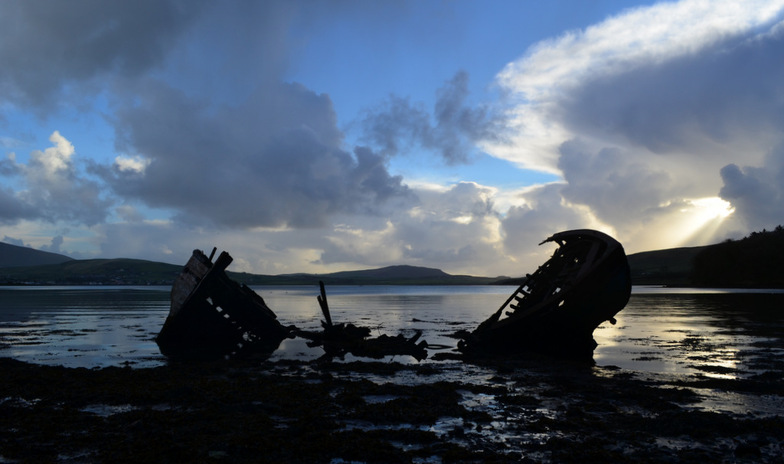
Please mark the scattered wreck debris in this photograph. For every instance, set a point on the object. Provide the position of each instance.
(587, 281)
(339, 339)
(213, 316)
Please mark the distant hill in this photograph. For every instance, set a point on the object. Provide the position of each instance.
(393, 272)
(672, 266)
(13, 256)
(140, 272)
(93, 272)
(391, 275)
(755, 261)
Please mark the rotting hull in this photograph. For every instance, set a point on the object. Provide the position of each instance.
(587, 281)
(213, 316)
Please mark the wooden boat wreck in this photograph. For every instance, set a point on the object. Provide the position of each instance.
(586, 281)
(213, 316)
(337, 340)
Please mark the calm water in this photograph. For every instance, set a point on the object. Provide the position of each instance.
(710, 333)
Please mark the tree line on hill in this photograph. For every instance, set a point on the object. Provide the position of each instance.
(757, 260)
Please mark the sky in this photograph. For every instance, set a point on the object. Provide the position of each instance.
(320, 136)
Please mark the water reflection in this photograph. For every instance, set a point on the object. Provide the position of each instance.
(716, 334)
(677, 351)
(83, 326)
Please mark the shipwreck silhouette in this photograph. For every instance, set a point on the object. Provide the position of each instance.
(586, 282)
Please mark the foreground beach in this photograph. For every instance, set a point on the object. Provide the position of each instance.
(536, 410)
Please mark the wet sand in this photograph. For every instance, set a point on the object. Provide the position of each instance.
(531, 410)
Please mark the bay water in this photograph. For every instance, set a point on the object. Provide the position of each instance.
(721, 345)
(711, 332)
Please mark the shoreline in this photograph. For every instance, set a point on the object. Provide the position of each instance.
(536, 410)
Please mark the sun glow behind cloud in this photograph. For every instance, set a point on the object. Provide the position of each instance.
(694, 221)
(705, 217)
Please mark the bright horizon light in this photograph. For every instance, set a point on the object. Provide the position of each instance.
(702, 219)
(712, 207)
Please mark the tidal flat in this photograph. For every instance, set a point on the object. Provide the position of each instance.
(524, 411)
(682, 377)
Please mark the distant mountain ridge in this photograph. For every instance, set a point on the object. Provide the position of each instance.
(400, 271)
(61, 270)
(757, 260)
(15, 256)
(390, 275)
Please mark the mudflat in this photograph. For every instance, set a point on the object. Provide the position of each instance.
(535, 410)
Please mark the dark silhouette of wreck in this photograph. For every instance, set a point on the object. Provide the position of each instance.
(212, 316)
(586, 282)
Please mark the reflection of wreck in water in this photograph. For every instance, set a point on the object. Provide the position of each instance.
(587, 281)
(213, 316)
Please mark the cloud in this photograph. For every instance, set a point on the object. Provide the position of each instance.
(452, 131)
(654, 109)
(643, 117)
(13, 241)
(757, 192)
(541, 214)
(618, 188)
(52, 188)
(275, 161)
(57, 242)
(11, 208)
(49, 46)
(455, 228)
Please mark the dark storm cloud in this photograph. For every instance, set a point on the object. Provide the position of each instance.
(275, 161)
(757, 192)
(667, 130)
(45, 45)
(12, 209)
(729, 90)
(617, 188)
(452, 130)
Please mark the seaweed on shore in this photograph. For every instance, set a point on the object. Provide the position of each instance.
(328, 412)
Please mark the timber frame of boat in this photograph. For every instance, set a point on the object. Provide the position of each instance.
(211, 316)
(586, 282)
(337, 340)
(555, 311)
